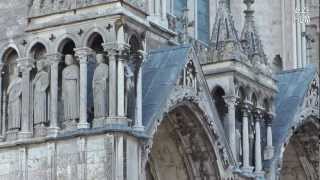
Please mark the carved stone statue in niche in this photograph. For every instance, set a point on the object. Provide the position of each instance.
(70, 89)
(100, 87)
(130, 91)
(40, 85)
(14, 92)
(190, 74)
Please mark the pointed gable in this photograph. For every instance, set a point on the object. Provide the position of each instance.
(225, 43)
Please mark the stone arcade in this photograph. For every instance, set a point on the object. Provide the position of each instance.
(149, 90)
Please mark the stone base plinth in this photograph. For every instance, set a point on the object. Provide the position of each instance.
(259, 174)
(53, 131)
(99, 122)
(247, 170)
(118, 120)
(138, 128)
(68, 125)
(103, 121)
(24, 135)
(40, 130)
(12, 135)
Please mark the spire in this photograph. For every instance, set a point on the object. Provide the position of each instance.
(250, 39)
(225, 43)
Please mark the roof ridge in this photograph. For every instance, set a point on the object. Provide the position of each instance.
(158, 50)
(296, 69)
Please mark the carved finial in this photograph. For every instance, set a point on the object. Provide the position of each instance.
(183, 36)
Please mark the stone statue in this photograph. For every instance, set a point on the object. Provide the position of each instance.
(100, 87)
(14, 92)
(40, 85)
(70, 89)
(190, 75)
(130, 91)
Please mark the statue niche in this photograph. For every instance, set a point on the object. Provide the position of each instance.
(100, 88)
(40, 86)
(14, 93)
(130, 90)
(70, 91)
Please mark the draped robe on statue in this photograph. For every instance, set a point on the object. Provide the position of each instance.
(130, 91)
(41, 83)
(100, 90)
(14, 104)
(70, 92)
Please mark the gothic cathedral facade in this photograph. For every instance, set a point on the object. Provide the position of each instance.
(159, 90)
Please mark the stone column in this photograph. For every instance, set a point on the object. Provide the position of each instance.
(54, 60)
(82, 54)
(123, 54)
(138, 124)
(111, 49)
(268, 152)
(303, 37)
(1, 100)
(258, 159)
(231, 102)
(25, 65)
(245, 138)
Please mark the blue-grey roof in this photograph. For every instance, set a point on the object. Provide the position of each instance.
(159, 76)
(293, 86)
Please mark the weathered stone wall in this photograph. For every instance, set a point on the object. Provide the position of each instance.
(13, 19)
(77, 158)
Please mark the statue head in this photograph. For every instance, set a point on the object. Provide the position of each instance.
(15, 71)
(100, 58)
(40, 65)
(68, 59)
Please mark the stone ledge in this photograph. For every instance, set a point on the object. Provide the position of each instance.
(77, 133)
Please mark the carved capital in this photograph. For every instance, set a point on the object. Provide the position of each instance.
(54, 58)
(258, 113)
(246, 108)
(231, 100)
(82, 54)
(269, 118)
(25, 64)
(123, 51)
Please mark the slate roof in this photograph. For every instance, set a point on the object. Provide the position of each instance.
(160, 73)
(293, 86)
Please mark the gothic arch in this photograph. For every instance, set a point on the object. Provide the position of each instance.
(35, 42)
(64, 39)
(7, 49)
(66, 43)
(87, 37)
(218, 94)
(298, 158)
(95, 41)
(183, 146)
(38, 50)
(135, 43)
(10, 65)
